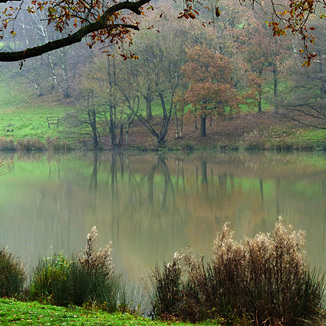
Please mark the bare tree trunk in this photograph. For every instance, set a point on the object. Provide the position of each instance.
(36, 85)
(149, 99)
(113, 135)
(181, 124)
(120, 142)
(259, 101)
(203, 126)
(166, 121)
(260, 90)
(275, 72)
(66, 86)
(176, 122)
(92, 115)
(54, 76)
(92, 121)
(111, 71)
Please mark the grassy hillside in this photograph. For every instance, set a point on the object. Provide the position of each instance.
(23, 115)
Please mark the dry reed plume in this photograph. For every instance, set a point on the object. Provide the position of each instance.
(94, 258)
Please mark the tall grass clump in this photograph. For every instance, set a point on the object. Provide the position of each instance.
(50, 280)
(89, 278)
(265, 278)
(12, 275)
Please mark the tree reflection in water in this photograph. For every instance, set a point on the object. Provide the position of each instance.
(153, 205)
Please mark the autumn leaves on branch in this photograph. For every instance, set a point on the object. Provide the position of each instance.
(110, 22)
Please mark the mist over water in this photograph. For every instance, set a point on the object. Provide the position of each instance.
(152, 205)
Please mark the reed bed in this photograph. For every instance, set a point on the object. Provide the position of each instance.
(265, 280)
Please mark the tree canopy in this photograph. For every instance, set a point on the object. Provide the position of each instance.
(111, 21)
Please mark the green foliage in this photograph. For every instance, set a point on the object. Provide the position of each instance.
(62, 283)
(12, 275)
(92, 286)
(50, 280)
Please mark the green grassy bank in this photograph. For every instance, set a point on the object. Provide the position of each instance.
(18, 313)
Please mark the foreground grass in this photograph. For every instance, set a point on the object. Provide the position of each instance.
(34, 313)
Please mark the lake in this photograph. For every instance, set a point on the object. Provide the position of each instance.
(152, 205)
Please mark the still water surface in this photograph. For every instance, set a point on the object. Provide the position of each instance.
(150, 206)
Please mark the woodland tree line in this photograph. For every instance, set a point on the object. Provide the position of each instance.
(178, 69)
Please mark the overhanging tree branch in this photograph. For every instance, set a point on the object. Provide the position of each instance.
(76, 37)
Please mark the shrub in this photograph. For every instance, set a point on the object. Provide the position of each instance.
(265, 278)
(12, 275)
(7, 144)
(188, 147)
(167, 284)
(56, 144)
(30, 144)
(50, 280)
(229, 147)
(283, 146)
(258, 145)
(89, 278)
(305, 146)
(254, 141)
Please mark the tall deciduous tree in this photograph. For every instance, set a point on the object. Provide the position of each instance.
(158, 70)
(116, 102)
(305, 101)
(211, 89)
(263, 54)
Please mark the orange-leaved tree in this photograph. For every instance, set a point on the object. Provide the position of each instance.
(211, 91)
